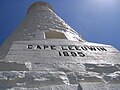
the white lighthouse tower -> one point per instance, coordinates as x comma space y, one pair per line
44, 53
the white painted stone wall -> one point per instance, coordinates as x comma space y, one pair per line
29, 61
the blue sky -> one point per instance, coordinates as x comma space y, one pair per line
96, 20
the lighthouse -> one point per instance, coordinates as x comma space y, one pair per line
45, 53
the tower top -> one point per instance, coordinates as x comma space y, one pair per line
38, 4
